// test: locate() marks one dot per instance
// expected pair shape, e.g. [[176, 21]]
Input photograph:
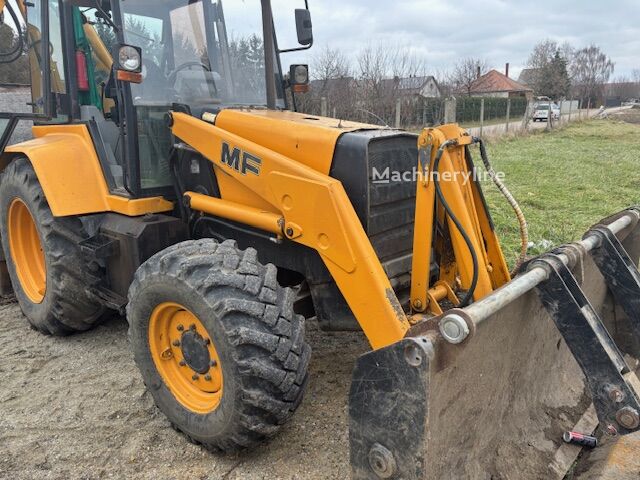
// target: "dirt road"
[[76, 408]]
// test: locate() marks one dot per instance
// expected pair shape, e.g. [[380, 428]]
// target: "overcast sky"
[[442, 31]]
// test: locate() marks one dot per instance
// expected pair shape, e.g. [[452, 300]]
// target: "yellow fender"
[[65, 161]]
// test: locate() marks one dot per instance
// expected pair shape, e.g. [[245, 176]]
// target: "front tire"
[[48, 272], [217, 343]]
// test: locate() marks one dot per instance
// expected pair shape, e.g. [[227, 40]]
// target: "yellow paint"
[[267, 221], [67, 166], [309, 139], [321, 216], [100, 51], [26, 251], [465, 201], [193, 390]]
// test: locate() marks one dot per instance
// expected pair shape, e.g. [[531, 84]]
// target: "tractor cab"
[[137, 60]]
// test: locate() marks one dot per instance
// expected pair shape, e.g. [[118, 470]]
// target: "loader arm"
[[315, 211]]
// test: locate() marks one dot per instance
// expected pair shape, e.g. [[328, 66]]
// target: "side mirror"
[[128, 63], [304, 26]]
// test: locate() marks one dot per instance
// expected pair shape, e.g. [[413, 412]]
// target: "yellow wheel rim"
[[185, 357], [26, 251]]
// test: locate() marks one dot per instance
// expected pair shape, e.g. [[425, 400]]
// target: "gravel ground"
[[76, 408]]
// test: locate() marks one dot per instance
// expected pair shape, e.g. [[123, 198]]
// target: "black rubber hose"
[[14, 54], [474, 282]]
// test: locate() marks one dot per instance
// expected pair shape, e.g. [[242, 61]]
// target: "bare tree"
[[329, 63], [465, 72], [542, 53], [552, 66], [333, 82], [624, 88], [592, 68]]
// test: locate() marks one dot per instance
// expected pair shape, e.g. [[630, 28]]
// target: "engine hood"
[[308, 139]]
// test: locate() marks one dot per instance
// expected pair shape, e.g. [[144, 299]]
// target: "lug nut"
[[192, 326], [213, 363], [180, 328], [207, 377], [176, 343], [289, 232], [195, 376], [182, 363]]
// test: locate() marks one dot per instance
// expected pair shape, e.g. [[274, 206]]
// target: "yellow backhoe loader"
[[169, 178]]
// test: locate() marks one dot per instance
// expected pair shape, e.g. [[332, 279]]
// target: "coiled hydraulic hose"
[[524, 229], [12, 55]]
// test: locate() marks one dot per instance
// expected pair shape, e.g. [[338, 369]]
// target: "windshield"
[[196, 53]]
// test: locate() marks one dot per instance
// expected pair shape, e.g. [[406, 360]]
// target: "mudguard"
[[65, 161]]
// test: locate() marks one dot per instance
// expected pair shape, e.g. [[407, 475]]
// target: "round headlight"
[[129, 59], [301, 75]]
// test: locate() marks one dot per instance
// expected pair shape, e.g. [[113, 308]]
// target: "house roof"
[[409, 84], [494, 81], [330, 84], [527, 76]]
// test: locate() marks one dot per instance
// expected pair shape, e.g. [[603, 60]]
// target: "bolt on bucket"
[[488, 391]]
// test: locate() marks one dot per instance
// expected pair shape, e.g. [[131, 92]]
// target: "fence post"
[[481, 115], [527, 115], [549, 115], [570, 108], [450, 110], [323, 106], [398, 107], [560, 119], [508, 114]]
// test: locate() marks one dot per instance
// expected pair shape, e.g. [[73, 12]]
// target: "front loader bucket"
[[543, 354]]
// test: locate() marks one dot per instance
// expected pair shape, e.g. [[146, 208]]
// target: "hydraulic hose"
[[13, 55], [524, 229], [474, 281]]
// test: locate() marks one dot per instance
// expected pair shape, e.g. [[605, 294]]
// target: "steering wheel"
[[173, 75]]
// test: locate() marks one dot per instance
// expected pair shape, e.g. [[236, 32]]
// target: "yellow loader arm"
[[314, 210]]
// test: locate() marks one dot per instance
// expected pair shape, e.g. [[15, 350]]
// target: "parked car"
[[541, 112]]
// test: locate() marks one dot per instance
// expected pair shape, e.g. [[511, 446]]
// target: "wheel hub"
[[185, 357], [195, 351]]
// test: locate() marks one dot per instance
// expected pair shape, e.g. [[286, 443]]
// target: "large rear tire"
[[48, 272], [217, 343]]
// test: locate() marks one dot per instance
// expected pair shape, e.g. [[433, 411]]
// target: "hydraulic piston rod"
[[452, 324]]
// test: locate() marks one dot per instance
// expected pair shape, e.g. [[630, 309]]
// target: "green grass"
[[565, 180]]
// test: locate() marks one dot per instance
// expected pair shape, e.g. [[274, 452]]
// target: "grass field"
[[564, 180]]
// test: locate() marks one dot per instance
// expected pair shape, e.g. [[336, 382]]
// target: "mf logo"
[[240, 161]]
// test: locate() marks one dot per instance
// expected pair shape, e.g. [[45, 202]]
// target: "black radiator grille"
[[392, 202]]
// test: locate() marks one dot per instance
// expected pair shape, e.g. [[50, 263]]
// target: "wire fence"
[[415, 112]]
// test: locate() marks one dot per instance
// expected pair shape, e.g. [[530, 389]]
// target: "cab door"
[[27, 73]]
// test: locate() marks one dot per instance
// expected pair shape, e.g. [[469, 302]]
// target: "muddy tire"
[[201, 303], [48, 272]]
